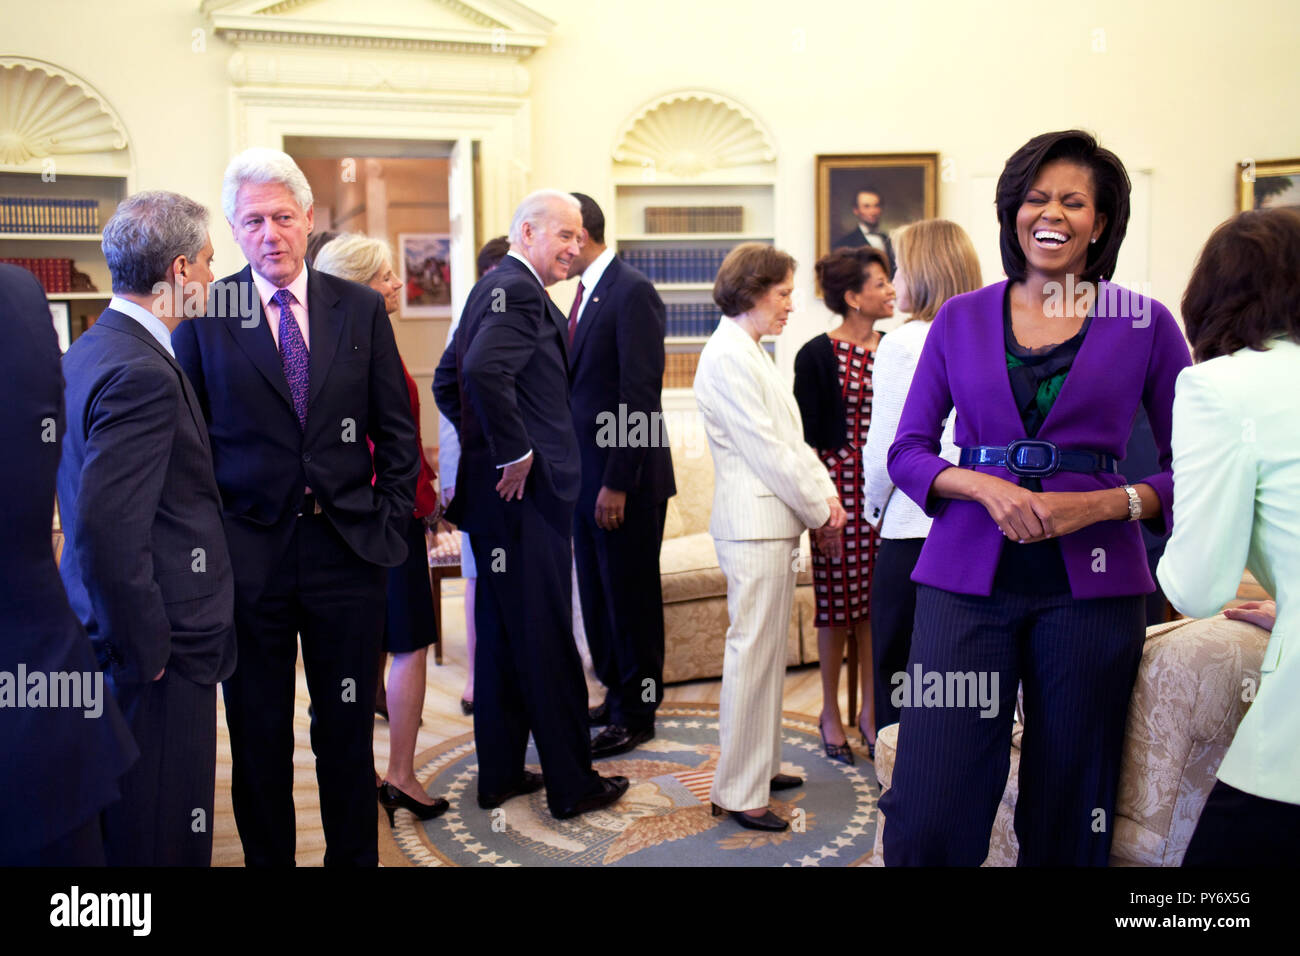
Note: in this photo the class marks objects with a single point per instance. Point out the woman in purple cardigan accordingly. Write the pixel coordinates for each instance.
(1034, 570)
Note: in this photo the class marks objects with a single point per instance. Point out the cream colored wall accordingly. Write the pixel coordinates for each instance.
(1185, 89)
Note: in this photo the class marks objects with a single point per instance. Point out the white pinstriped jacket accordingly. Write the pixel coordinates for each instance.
(767, 482)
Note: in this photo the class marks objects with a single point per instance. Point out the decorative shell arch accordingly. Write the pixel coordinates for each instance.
(693, 132)
(47, 111)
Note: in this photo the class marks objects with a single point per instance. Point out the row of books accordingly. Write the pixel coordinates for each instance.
(55, 275)
(39, 215)
(694, 218)
(681, 264)
(691, 318)
(679, 369)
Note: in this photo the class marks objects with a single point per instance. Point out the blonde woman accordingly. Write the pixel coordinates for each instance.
(769, 486)
(936, 261)
(410, 625)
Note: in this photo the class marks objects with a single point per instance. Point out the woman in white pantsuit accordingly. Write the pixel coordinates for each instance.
(768, 486)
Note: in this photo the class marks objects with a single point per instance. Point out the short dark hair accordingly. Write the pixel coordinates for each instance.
(747, 273)
(593, 220)
(146, 234)
(1246, 284)
(493, 251)
(315, 242)
(867, 189)
(842, 271)
(1110, 182)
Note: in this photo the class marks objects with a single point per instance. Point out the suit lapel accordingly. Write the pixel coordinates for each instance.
(124, 323)
(253, 334)
(326, 320)
(595, 303)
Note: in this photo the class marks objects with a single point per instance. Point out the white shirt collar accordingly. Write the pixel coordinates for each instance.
(153, 325)
(591, 275)
(529, 265)
(267, 289)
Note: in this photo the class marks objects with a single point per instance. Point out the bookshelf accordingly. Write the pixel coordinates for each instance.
(683, 262)
(106, 189)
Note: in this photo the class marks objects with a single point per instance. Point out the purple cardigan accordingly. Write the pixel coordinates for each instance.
(1122, 361)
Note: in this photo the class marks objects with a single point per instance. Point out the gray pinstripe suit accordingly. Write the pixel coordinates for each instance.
(768, 486)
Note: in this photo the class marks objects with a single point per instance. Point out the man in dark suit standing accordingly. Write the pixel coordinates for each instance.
(616, 360)
(60, 765)
(504, 385)
(295, 369)
(866, 209)
(145, 562)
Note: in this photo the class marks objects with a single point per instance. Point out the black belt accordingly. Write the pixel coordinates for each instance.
(1036, 458)
(310, 506)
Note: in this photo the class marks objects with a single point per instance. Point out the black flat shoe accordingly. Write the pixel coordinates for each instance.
(768, 821)
(841, 752)
(611, 790)
(786, 781)
(390, 798)
(598, 716)
(614, 740)
(466, 706)
(530, 783)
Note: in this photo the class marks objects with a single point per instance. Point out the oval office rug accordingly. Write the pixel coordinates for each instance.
(663, 820)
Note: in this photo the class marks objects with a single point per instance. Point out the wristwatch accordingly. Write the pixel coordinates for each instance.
(1134, 503)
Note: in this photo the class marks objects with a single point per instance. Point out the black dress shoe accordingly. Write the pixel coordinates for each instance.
(466, 706)
(390, 798)
(598, 716)
(611, 789)
(768, 821)
(615, 739)
(786, 781)
(529, 783)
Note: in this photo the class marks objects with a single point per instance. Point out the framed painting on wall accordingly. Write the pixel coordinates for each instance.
(426, 275)
(861, 197)
(1268, 185)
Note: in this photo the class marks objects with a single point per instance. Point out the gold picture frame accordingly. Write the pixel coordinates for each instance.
(907, 185)
(1274, 182)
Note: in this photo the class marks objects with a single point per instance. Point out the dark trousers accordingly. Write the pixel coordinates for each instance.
(623, 609)
(1240, 829)
(893, 609)
(165, 815)
(334, 600)
(527, 673)
(83, 846)
(1078, 660)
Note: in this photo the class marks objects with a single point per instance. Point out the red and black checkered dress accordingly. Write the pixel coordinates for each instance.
(842, 586)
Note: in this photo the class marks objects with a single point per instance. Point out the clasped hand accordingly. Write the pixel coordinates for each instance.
(1028, 516)
(829, 539)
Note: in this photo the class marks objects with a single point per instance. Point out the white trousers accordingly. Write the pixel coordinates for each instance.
(760, 593)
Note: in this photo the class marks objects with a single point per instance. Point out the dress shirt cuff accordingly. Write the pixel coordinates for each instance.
(517, 460)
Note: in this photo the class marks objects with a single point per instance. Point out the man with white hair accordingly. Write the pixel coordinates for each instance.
(295, 369)
(504, 385)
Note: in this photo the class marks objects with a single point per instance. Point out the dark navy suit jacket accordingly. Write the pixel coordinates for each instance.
(504, 384)
(265, 461)
(617, 359)
(59, 767)
(145, 565)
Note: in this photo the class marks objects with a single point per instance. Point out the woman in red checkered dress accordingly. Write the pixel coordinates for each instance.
(832, 383)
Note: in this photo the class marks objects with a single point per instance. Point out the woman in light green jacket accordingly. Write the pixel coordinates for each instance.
(1236, 444)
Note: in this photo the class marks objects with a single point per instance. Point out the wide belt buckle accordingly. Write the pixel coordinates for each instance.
(1033, 458)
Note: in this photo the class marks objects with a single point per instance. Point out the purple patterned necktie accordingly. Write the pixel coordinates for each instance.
(293, 354)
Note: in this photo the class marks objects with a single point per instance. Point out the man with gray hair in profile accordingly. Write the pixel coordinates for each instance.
(504, 385)
(292, 383)
(145, 563)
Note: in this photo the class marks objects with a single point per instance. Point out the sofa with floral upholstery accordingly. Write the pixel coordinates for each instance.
(694, 589)
(1194, 685)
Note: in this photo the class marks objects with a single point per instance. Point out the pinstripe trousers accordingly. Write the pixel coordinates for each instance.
(760, 595)
(1078, 660)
